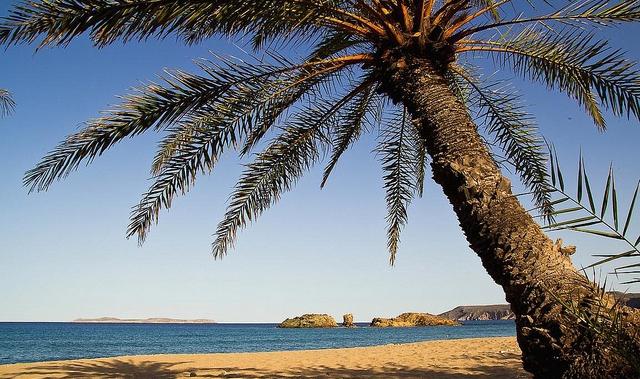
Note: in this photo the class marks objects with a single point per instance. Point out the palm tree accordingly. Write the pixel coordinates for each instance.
(6, 102)
(403, 64)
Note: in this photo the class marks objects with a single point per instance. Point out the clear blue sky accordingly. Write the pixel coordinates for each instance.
(63, 253)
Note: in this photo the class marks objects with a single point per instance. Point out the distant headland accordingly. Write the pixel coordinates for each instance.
(503, 311)
(480, 313)
(156, 320)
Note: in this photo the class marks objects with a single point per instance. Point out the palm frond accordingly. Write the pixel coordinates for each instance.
(153, 107)
(180, 96)
(491, 8)
(352, 123)
(57, 22)
(333, 43)
(311, 85)
(7, 104)
(500, 112)
(195, 145)
(576, 14)
(197, 153)
(279, 166)
(398, 158)
(275, 171)
(574, 63)
(179, 136)
(583, 214)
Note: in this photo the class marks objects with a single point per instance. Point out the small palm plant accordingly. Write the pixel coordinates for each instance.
(404, 63)
(607, 217)
(604, 217)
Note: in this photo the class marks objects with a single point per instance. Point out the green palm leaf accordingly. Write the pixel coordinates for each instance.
(333, 43)
(195, 145)
(350, 128)
(576, 64)
(181, 96)
(60, 21)
(397, 153)
(575, 14)
(199, 152)
(583, 217)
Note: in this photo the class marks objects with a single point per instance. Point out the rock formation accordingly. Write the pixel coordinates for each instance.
(347, 320)
(412, 319)
(480, 312)
(309, 321)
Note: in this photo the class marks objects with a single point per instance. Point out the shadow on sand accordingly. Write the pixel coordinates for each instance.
(121, 368)
(113, 368)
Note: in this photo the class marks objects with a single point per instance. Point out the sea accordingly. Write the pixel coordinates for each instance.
(44, 341)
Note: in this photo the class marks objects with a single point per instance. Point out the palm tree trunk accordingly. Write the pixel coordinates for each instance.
(532, 270)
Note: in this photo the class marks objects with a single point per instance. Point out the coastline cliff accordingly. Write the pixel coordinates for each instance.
(480, 312)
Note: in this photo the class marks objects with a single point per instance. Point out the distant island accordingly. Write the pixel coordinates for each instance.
(479, 312)
(309, 320)
(409, 319)
(156, 320)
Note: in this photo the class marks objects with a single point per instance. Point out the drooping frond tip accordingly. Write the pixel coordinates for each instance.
(398, 151)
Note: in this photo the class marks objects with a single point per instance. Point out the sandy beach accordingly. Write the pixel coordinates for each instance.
(497, 358)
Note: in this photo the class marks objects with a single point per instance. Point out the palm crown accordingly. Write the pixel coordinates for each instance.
(322, 104)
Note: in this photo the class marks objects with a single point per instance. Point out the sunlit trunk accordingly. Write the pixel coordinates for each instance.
(514, 250)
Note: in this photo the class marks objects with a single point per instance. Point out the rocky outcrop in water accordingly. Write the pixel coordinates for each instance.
(309, 321)
(347, 320)
(412, 319)
(480, 312)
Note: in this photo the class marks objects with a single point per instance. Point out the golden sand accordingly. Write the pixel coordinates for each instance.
(497, 358)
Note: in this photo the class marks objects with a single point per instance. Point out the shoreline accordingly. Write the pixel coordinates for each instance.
(495, 357)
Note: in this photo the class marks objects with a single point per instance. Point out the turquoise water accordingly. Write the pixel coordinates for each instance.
(32, 342)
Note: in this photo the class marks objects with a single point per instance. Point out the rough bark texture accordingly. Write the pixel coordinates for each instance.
(512, 247)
